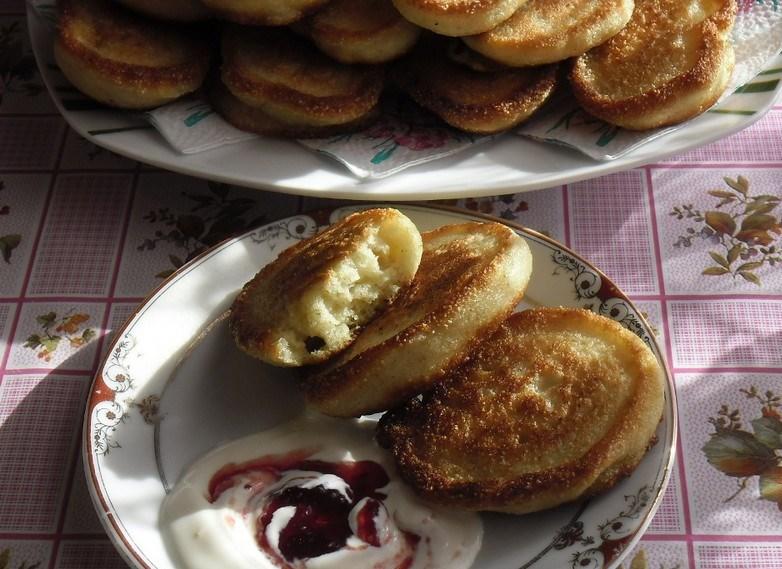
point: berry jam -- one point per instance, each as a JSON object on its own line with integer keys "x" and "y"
{"x": 320, "y": 523}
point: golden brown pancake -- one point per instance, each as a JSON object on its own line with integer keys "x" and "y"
{"x": 251, "y": 119}
{"x": 546, "y": 31}
{"x": 558, "y": 404}
{"x": 361, "y": 31}
{"x": 263, "y": 12}
{"x": 176, "y": 10}
{"x": 670, "y": 63}
{"x": 470, "y": 277}
{"x": 308, "y": 304}
{"x": 123, "y": 60}
{"x": 458, "y": 17}
{"x": 483, "y": 102}
{"x": 289, "y": 79}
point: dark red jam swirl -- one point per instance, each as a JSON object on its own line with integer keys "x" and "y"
{"x": 321, "y": 523}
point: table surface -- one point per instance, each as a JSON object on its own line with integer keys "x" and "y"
{"x": 694, "y": 241}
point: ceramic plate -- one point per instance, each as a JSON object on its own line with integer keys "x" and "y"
{"x": 508, "y": 164}
{"x": 173, "y": 386}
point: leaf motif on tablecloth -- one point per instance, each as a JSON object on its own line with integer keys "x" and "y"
{"x": 212, "y": 218}
{"x": 5, "y": 561}
{"x": 743, "y": 454}
{"x": 55, "y": 329}
{"x": 18, "y": 72}
{"x": 743, "y": 231}
{"x": 10, "y": 241}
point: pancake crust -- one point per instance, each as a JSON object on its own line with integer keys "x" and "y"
{"x": 124, "y": 60}
{"x": 308, "y": 304}
{"x": 542, "y": 31}
{"x": 670, "y": 63}
{"x": 558, "y": 404}
{"x": 264, "y": 12}
{"x": 470, "y": 277}
{"x": 251, "y": 119}
{"x": 290, "y": 80}
{"x": 458, "y": 17}
{"x": 361, "y": 31}
{"x": 176, "y": 10}
{"x": 483, "y": 102}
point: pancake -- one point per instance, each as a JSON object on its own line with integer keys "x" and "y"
{"x": 361, "y": 31}
{"x": 263, "y": 12}
{"x": 308, "y": 304}
{"x": 292, "y": 81}
{"x": 670, "y": 63}
{"x": 482, "y": 102}
{"x": 251, "y": 119}
{"x": 458, "y": 17}
{"x": 176, "y": 10}
{"x": 546, "y": 31}
{"x": 470, "y": 278}
{"x": 123, "y": 60}
{"x": 558, "y": 404}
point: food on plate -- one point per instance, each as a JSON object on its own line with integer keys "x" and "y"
{"x": 308, "y": 304}
{"x": 253, "y": 119}
{"x": 558, "y": 404}
{"x": 290, "y": 80}
{"x": 124, "y": 60}
{"x": 458, "y": 17}
{"x": 263, "y": 12}
{"x": 310, "y": 493}
{"x": 470, "y": 278}
{"x": 542, "y": 31}
{"x": 671, "y": 62}
{"x": 361, "y": 31}
{"x": 479, "y": 101}
{"x": 176, "y": 10}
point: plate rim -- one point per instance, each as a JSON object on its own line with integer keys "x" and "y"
{"x": 106, "y": 514}
{"x": 354, "y": 188}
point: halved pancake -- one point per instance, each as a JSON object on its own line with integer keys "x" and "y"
{"x": 251, "y": 119}
{"x": 671, "y": 62}
{"x": 124, "y": 60}
{"x": 458, "y": 17}
{"x": 308, "y": 304}
{"x": 264, "y": 12}
{"x": 471, "y": 277}
{"x": 546, "y": 31}
{"x": 483, "y": 102}
{"x": 558, "y": 404}
{"x": 292, "y": 81}
{"x": 361, "y": 31}
{"x": 177, "y": 10}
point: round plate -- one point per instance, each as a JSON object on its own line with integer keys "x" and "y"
{"x": 173, "y": 386}
{"x": 506, "y": 165}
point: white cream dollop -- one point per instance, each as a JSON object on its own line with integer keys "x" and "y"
{"x": 222, "y": 533}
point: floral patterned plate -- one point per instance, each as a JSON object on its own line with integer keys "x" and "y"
{"x": 173, "y": 386}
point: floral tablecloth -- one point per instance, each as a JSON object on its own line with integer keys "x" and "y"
{"x": 695, "y": 240}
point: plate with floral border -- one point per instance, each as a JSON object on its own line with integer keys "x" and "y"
{"x": 507, "y": 164}
{"x": 173, "y": 386}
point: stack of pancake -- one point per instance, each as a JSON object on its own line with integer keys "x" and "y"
{"x": 485, "y": 409}
{"x": 299, "y": 68}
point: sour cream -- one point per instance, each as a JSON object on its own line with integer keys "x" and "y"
{"x": 315, "y": 493}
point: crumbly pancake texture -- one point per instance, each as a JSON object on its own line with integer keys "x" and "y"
{"x": 308, "y": 304}
{"x": 546, "y": 31}
{"x": 670, "y": 63}
{"x": 482, "y": 102}
{"x": 251, "y": 119}
{"x": 292, "y": 81}
{"x": 263, "y": 12}
{"x": 471, "y": 277}
{"x": 176, "y": 10}
{"x": 458, "y": 17}
{"x": 558, "y": 404}
{"x": 124, "y": 60}
{"x": 361, "y": 31}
